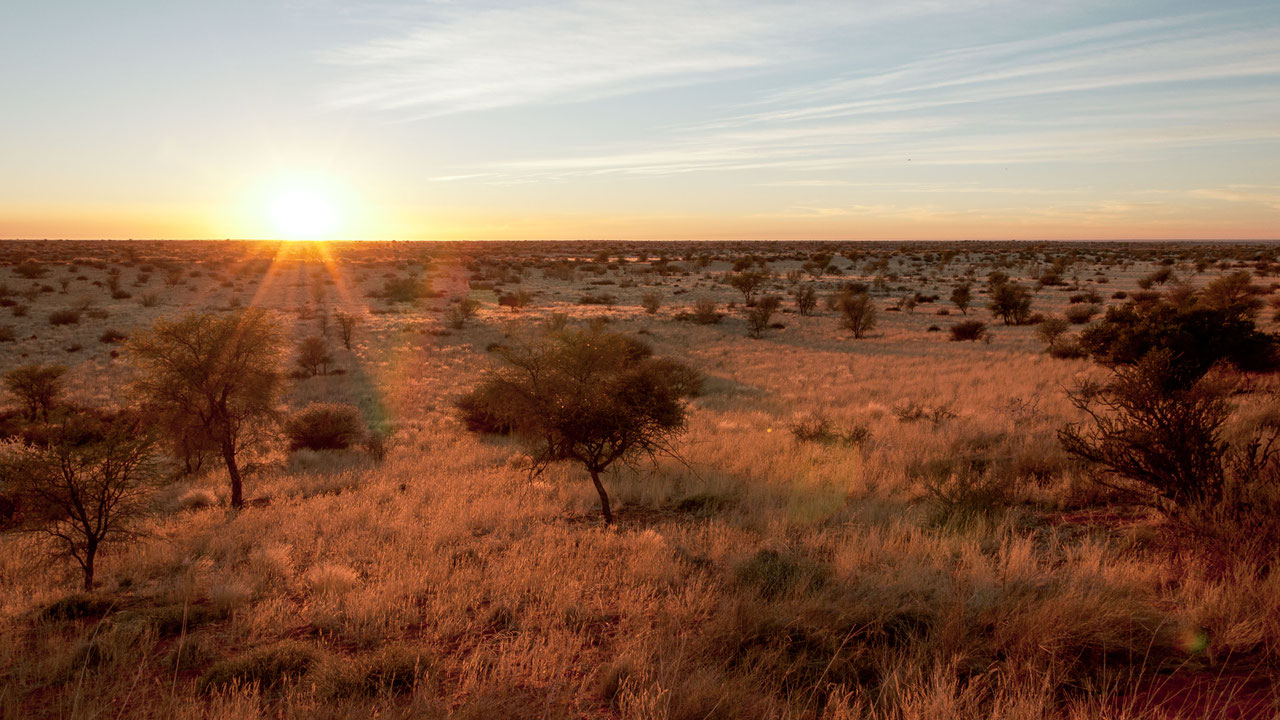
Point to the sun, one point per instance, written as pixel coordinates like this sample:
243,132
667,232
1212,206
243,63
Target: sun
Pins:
303,215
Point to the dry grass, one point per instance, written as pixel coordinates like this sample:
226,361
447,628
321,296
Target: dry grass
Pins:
763,576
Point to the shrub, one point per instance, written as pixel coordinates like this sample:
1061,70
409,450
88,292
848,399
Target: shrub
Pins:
597,299
325,426
818,428
806,300
968,330
460,312
112,336
651,301
7,333
857,312
64,317
1081,314
704,312
759,316
1051,331
1195,337
515,300
1149,428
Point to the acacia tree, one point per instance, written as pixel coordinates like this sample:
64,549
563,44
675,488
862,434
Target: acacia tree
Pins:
749,282
220,371
83,483
586,396
36,387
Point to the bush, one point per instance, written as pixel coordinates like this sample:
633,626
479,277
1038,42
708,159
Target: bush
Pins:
651,302
774,574
7,333
857,312
1081,314
597,299
1159,435
817,428
968,330
1011,302
704,312
1195,338
806,300
759,316
325,426
111,336
392,670
64,317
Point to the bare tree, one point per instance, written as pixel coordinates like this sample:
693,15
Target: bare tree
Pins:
586,396
221,371
346,327
84,483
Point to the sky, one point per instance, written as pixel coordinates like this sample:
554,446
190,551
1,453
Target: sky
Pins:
694,119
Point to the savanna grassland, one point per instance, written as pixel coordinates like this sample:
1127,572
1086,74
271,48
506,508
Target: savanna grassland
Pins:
885,526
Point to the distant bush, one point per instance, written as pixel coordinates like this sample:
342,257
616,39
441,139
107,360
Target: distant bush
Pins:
704,312
651,301
806,300
1081,314
325,426
314,357
968,330
7,333
112,335
597,299
515,300
64,317
758,317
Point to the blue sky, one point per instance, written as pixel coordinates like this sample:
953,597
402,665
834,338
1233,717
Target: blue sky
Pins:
634,120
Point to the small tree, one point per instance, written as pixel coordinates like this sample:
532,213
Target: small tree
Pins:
221,372
806,300
1052,330
83,484
759,316
346,327
36,388
314,357
586,396
1011,303
748,282
857,312
961,297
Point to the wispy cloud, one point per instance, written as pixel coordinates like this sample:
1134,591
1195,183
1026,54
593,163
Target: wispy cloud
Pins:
1105,93
460,58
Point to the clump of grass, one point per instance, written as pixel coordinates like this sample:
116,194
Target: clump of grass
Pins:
269,668
774,574
392,670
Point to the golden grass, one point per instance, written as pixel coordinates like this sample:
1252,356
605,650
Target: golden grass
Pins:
760,576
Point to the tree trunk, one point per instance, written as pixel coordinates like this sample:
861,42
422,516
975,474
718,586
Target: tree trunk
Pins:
604,496
233,470
90,552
